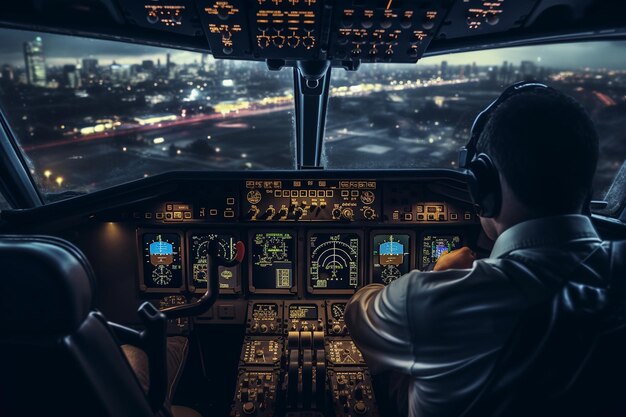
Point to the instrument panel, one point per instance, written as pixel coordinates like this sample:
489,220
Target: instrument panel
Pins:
303,237
350,30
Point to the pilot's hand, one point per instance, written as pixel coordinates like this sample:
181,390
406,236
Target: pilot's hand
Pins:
457,259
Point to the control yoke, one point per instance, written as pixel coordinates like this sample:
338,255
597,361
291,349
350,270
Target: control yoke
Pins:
213,284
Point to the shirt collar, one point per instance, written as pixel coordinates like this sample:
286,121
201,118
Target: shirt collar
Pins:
545,231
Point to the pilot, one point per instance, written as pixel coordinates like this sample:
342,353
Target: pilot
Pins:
442,340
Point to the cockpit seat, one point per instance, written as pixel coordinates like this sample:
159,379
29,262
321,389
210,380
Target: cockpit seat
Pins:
58,357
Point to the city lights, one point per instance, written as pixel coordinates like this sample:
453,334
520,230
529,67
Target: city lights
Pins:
76,112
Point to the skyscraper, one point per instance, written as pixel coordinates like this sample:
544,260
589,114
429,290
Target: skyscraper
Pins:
90,66
35,62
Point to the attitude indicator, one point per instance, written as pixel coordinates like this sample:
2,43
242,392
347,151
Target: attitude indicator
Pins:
226,250
162,266
390,254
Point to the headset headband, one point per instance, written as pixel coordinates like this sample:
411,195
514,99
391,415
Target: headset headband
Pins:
468,152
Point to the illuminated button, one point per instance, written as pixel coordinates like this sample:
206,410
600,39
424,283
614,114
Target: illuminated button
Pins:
431,217
442,217
345,193
355,193
277,193
420,209
467,216
303,193
213,212
148,215
159,216
168,207
178,215
168,216
329,193
454,216
285,193
312,193
420,217
408,216
229,213
230,201
187,215
294,193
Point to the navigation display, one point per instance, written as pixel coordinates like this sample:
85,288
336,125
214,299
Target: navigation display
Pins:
273,261
226,250
391,257
161,265
334,261
433,246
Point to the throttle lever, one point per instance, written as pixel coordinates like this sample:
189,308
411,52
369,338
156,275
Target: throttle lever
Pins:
213,283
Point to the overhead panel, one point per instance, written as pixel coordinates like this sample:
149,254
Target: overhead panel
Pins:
176,16
342,30
484,17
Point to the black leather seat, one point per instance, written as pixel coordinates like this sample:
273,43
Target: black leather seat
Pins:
57,356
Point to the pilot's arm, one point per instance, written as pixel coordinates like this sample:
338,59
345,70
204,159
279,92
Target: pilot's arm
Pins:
378,317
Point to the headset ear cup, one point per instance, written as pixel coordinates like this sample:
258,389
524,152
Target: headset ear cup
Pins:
486,192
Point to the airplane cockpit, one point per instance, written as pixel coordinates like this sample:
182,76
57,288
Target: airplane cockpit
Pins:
233,171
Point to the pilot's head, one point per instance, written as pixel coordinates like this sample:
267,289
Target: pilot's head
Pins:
545,148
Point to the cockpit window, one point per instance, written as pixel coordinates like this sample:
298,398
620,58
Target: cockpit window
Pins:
90,114
418,116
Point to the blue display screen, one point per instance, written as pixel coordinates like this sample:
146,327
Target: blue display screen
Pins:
161,248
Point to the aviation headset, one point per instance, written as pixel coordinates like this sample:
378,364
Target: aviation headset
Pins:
484,177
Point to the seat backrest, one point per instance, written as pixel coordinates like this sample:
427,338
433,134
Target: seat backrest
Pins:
57,357
568,355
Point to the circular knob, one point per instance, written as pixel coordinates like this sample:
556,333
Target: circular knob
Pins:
385,23
347,21
222,13
152,18
259,353
356,52
227,50
283,212
360,407
308,42
298,212
255,327
428,24
348,213
252,212
367,22
369,213
249,407
293,41
406,22
492,19
412,52
336,213
264,328
264,41
278,41
342,40
336,329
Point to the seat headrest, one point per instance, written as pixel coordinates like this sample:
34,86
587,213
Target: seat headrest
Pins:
46,286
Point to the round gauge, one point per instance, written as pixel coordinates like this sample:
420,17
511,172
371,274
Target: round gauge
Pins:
161,275
368,197
334,261
162,267
337,310
253,197
390,274
226,248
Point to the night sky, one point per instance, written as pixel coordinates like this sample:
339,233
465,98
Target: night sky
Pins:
60,49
